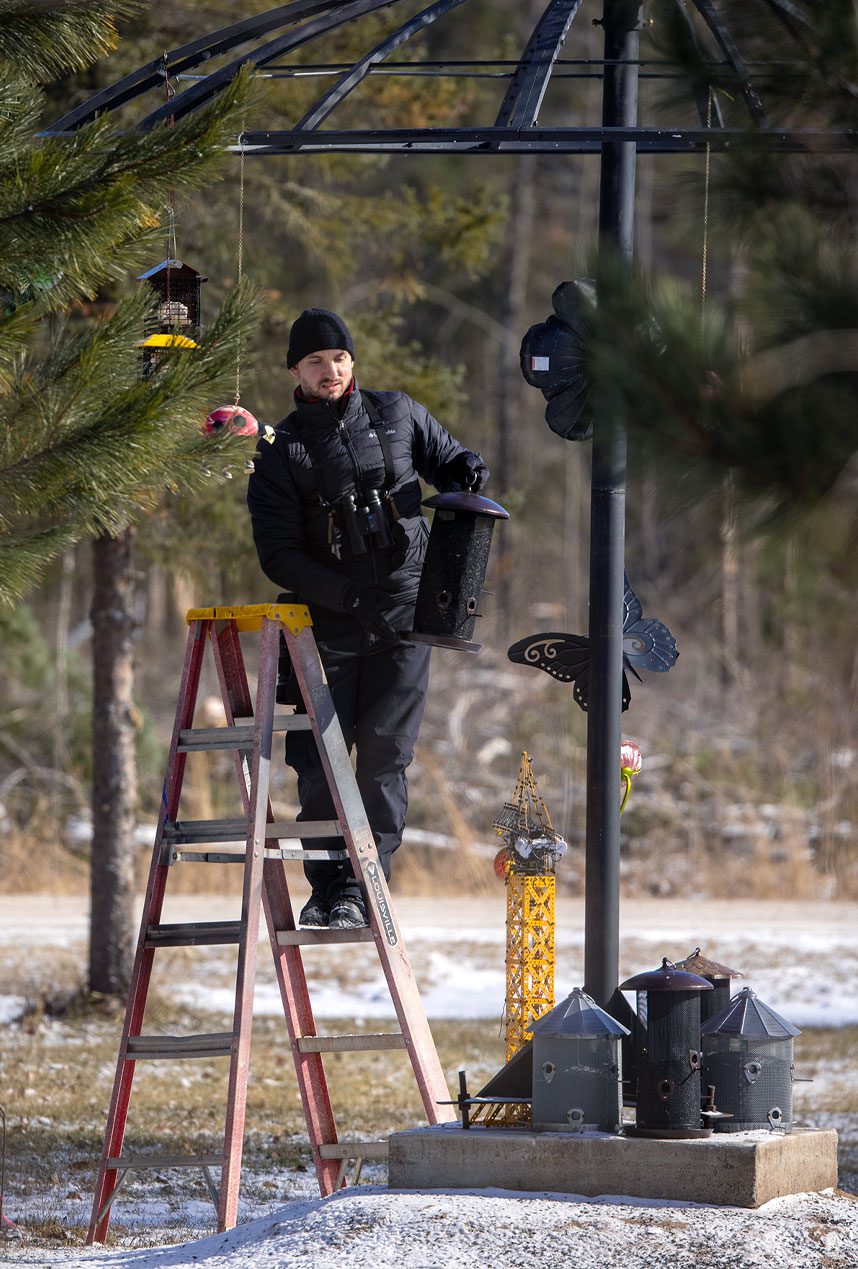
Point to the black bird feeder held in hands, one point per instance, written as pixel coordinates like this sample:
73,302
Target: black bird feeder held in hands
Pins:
454,570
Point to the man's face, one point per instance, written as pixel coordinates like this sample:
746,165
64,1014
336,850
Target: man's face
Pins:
325,374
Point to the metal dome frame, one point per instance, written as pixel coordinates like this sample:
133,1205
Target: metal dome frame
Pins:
516,130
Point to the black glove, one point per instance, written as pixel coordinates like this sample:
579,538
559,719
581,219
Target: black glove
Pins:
467,471
363,605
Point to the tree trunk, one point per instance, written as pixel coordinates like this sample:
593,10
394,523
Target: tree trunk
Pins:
114,767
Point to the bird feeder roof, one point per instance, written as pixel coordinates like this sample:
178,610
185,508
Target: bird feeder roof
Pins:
697,964
176,266
473,503
578,1015
668,978
749,1017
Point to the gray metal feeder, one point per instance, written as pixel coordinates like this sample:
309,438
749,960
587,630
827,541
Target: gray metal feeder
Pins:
576,1068
669,1061
454,569
748,1052
718,975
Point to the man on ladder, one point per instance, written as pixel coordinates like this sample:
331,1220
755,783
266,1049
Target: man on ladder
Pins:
335,506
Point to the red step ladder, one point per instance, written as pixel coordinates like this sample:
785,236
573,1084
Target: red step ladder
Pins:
266,844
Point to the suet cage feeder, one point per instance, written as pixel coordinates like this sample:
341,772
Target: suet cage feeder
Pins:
174,321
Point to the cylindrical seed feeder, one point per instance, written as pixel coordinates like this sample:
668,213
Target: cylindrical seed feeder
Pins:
718,975
669,1061
748,1052
454,569
576,1068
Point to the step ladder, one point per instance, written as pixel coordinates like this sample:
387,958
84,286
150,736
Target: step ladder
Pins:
261,844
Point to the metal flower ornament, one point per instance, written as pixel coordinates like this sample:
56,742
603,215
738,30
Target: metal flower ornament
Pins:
647,645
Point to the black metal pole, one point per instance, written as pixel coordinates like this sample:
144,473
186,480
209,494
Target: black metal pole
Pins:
621,20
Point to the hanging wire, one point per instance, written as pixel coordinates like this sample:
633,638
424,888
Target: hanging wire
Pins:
704,263
240,268
172,251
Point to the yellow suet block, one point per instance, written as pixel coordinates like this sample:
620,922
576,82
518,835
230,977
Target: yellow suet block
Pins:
295,617
166,341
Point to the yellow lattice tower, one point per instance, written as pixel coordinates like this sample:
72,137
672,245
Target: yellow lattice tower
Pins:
530,889
529,954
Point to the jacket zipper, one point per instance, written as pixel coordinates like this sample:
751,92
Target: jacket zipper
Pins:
350,449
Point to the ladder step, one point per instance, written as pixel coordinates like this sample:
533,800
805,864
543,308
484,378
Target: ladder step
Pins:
219,1044
355,1150
193,934
310,938
202,739
349,1043
140,1162
170,855
189,832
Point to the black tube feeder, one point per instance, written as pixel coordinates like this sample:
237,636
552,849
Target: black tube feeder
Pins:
454,570
669,1057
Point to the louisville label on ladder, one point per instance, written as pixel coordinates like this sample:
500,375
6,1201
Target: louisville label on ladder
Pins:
266,844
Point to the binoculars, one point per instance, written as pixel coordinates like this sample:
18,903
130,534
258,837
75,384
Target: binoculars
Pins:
364,527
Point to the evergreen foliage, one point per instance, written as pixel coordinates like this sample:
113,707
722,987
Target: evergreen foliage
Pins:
85,446
763,383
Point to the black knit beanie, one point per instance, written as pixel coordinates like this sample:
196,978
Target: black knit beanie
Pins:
315,330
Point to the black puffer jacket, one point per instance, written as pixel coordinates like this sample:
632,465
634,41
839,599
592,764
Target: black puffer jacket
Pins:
291,525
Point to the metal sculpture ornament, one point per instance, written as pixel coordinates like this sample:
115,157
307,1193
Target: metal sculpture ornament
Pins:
552,359
647,645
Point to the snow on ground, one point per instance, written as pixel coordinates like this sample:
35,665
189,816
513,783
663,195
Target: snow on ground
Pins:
802,959
439,1229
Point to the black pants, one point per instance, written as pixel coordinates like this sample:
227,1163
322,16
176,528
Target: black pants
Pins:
379,697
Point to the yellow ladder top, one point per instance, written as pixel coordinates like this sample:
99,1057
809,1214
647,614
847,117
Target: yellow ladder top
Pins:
295,617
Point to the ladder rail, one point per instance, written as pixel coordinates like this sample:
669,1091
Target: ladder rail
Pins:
117,1115
360,843
277,905
251,907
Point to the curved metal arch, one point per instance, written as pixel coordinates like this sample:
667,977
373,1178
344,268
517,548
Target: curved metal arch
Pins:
323,107
184,58
203,91
728,47
701,95
520,107
789,14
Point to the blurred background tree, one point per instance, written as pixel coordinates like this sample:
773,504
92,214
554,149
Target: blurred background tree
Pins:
440,265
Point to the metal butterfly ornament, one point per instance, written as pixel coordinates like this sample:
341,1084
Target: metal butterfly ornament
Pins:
647,645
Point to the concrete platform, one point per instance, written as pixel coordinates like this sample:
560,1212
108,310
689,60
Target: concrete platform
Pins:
729,1169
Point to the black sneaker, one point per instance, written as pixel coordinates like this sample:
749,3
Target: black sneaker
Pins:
315,913
347,914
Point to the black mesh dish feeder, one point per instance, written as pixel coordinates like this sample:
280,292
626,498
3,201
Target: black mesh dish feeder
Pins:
577,1068
725,108
748,1055
669,1060
454,570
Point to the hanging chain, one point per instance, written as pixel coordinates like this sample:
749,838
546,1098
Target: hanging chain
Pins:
171,251
240,259
704,263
